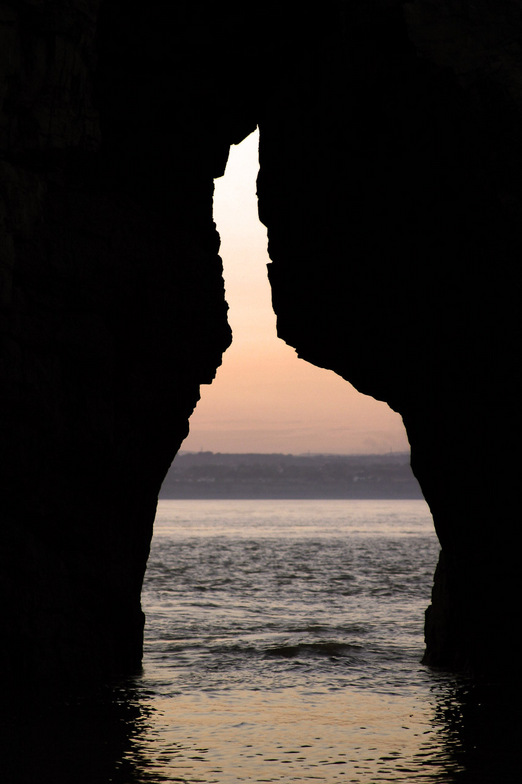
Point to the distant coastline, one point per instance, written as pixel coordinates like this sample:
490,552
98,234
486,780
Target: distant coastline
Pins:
209,475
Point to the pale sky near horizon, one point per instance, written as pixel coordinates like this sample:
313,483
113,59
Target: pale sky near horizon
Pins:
264,398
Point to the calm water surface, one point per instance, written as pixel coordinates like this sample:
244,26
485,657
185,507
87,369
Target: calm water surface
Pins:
283,644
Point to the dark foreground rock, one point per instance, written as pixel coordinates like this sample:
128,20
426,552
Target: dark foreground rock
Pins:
390,183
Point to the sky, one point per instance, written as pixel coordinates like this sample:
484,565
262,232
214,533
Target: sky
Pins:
264,398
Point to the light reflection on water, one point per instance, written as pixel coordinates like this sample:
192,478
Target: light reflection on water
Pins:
282,736
284,644
464,734
461,734
274,671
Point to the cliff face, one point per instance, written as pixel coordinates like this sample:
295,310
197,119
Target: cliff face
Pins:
397,167
390,185
113,315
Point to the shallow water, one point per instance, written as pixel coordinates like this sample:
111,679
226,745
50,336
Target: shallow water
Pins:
283,644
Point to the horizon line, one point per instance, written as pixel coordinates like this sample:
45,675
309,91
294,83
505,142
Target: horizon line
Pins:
297,454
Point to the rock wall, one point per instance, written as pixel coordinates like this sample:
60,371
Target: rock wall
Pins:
390,185
113,315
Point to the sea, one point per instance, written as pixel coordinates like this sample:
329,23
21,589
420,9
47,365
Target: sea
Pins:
283,643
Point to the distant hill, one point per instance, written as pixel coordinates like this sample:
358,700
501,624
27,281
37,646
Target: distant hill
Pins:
216,475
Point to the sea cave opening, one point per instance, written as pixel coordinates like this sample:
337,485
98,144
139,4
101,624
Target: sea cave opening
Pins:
266,615
264,398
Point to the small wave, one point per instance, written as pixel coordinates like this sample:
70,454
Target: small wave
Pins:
329,649
305,650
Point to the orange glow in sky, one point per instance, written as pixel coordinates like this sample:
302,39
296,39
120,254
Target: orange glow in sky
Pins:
264,398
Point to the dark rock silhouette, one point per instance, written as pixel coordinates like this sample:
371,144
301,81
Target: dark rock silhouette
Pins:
397,265
390,184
